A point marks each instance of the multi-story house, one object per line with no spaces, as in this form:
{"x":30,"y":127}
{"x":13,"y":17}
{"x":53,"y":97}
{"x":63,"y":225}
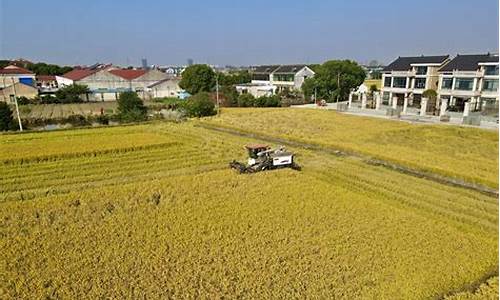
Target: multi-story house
{"x":471,"y":79}
{"x":290,"y":77}
{"x":405,"y":79}
{"x":268,"y":80}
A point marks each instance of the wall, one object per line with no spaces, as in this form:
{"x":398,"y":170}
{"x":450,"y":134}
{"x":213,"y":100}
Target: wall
{"x":21,"y":90}
{"x":169,"y":88}
{"x":299,"y":77}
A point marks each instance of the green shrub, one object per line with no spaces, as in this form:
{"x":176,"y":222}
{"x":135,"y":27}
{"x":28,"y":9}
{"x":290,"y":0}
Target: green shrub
{"x":77,"y":120}
{"x":272,"y":101}
{"x":246,"y":100}
{"x":71,"y":94}
{"x":199,"y":105}
{"x":24,"y":101}
{"x":6,"y":119}
{"x":131,"y":108}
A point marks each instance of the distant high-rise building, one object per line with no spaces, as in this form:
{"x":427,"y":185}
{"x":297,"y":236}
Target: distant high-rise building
{"x":145,"y":64}
{"x":190,"y":61}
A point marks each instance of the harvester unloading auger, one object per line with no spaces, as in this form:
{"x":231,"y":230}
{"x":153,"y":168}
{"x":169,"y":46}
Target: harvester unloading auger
{"x":262,"y":157}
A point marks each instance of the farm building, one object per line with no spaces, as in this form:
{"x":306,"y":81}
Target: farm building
{"x":18,"y":89}
{"x":168,"y":87}
{"x":107,"y":83}
{"x":12,"y":74}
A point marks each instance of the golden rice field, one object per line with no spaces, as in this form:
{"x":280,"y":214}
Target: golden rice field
{"x":152,"y":211}
{"x":469,"y":154}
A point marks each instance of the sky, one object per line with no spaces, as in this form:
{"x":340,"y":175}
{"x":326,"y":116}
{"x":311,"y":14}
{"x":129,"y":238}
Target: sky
{"x":232,"y":32}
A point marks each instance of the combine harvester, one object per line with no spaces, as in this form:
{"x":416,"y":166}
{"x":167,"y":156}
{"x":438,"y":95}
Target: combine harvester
{"x":262,"y":158}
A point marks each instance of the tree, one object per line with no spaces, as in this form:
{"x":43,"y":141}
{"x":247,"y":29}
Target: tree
{"x":6,"y":119}
{"x":373,"y":88}
{"x":233,"y":78}
{"x":71,"y":93}
{"x":230,"y":94}
{"x":197,"y":78}
{"x":199,"y":105}
{"x":376,"y":75}
{"x":48,"y":69}
{"x":334,"y":79}
{"x":430,"y":94}
{"x":131,"y":108}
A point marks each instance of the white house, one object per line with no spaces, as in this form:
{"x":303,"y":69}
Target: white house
{"x":270,"y":79}
{"x":471,"y":79}
{"x":405,"y":79}
{"x":290,"y":77}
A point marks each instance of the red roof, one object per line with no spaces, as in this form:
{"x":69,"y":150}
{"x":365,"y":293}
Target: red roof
{"x":14,"y":70}
{"x":78,"y":74}
{"x":128,"y":74}
{"x":45,"y":77}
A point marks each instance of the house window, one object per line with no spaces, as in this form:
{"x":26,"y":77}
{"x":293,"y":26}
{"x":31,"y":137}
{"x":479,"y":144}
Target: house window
{"x":464,"y":84}
{"x":447,"y":83}
{"x":421,"y":70}
{"x":387,"y":82}
{"x":490,"y":85}
{"x":263,"y":77}
{"x":420,"y":83}
{"x":399,"y":82}
{"x":283,"y":77}
{"x":490,"y":70}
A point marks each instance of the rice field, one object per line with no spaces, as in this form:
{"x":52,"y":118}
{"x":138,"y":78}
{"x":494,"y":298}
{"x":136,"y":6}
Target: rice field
{"x":152,"y":211}
{"x":470,"y":154}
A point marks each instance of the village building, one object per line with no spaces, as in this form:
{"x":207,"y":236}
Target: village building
{"x":46,"y":84}
{"x":12,"y":74}
{"x":18,"y":90}
{"x":405,"y":80}
{"x":271,"y":79}
{"x":470,"y":82}
{"x":168,"y":87}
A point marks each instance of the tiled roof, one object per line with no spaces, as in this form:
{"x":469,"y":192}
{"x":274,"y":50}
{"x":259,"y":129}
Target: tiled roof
{"x":268,"y":69}
{"x":468,"y":62}
{"x":289,"y":69}
{"x":78,"y":74}
{"x":164,"y":80}
{"x":404,"y":63}
{"x":45,"y":77}
{"x":11,"y":69}
{"x":128,"y":74}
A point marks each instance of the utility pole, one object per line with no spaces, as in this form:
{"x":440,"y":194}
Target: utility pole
{"x":17,"y":106}
{"x":338,"y":87}
{"x":217,"y":93}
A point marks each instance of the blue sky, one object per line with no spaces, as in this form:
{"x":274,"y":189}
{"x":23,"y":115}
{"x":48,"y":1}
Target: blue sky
{"x":243,"y":32}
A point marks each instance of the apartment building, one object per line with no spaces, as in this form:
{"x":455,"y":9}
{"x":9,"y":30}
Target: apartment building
{"x":406,"y":78}
{"x":471,"y":79}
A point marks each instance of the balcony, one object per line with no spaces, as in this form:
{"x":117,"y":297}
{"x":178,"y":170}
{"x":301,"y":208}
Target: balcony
{"x":403,"y":73}
{"x":468,"y":73}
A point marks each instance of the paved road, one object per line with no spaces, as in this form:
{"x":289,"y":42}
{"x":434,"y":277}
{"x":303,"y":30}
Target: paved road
{"x":412,"y":116}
